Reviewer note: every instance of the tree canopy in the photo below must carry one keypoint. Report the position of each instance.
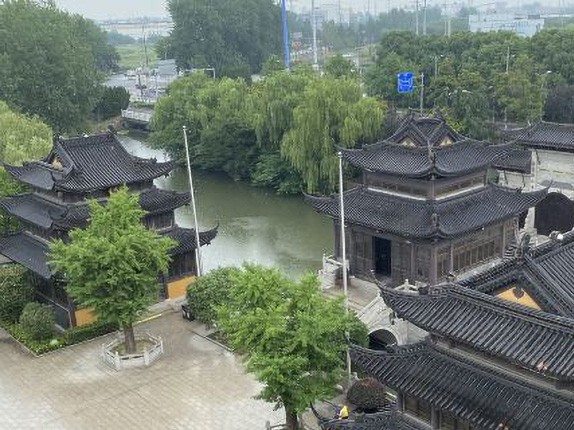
(112, 266)
(281, 132)
(51, 62)
(294, 339)
(234, 37)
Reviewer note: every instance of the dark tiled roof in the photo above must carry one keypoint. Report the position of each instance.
(545, 135)
(387, 420)
(27, 251)
(425, 131)
(483, 396)
(461, 158)
(517, 160)
(46, 214)
(186, 239)
(526, 337)
(546, 273)
(416, 218)
(89, 163)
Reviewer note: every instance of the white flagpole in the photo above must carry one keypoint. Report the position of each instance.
(192, 193)
(344, 255)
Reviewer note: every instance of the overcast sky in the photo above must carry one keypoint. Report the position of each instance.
(105, 9)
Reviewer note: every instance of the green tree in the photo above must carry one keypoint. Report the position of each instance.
(111, 103)
(113, 265)
(22, 138)
(234, 37)
(51, 63)
(294, 339)
(340, 67)
(15, 292)
(560, 105)
(332, 112)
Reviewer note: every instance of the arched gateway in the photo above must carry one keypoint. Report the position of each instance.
(380, 339)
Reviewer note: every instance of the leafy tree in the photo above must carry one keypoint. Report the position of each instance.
(272, 171)
(111, 103)
(234, 37)
(560, 105)
(22, 138)
(294, 339)
(115, 38)
(332, 112)
(209, 292)
(340, 67)
(113, 265)
(271, 65)
(15, 292)
(51, 63)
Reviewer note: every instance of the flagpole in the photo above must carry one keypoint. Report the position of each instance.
(344, 258)
(192, 193)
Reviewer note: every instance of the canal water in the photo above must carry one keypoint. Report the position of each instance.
(256, 225)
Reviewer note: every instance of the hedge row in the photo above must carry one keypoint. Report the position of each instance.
(70, 337)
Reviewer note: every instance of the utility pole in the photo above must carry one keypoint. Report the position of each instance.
(507, 72)
(344, 258)
(314, 26)
(192, 193)
(417, 16)
(422, 92)
(340, 13)
(286, 34)
(425, 18)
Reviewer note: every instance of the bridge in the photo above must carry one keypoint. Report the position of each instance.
(137, 117)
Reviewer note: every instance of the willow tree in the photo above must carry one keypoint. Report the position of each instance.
(113, 265)
(332, 112)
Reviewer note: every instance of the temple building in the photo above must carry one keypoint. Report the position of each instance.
(77, 169)
(546, 159)
(425, 209)
(491, 360)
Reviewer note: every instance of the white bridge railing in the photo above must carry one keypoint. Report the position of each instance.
(137, 115)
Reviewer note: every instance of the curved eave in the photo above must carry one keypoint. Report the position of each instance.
(186, 239)
(525, 337)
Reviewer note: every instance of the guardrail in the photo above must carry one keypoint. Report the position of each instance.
(145, 358)
(135, 115)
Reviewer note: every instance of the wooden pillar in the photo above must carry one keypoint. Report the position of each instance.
(413, 271)
(503, 240)
(435, 422)
(400, 402)
(433, 264)
(451, 259)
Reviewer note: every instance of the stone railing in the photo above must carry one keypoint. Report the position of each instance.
(143, 359)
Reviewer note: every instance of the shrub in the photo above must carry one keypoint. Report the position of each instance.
(15, 292)
(38, 321)
(209, 292)
(111, 103)
(88, 331)
(367, 394)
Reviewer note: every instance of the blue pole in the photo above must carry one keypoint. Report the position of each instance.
(286, 33)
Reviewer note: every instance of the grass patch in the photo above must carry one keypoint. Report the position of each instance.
(132, 56)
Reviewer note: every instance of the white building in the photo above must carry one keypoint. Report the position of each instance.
(522, 25)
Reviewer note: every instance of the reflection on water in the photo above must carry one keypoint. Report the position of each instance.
(255, 224)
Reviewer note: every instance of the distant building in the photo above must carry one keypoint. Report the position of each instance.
(138, 28)
(522, 25)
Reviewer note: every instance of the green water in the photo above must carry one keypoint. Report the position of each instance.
(255, 224)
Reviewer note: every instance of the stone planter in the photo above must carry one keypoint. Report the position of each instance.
(125, 361)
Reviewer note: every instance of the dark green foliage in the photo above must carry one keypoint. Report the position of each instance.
(560, 105)
(367, 395)
(233, 36)
(111, 103)
(51, 63)
(37, 321)
(293, 338)
(163, 48)
(274, 172)
(209, 292)
(70, 337)
(115, 38)
(15, 292)
(340, 67)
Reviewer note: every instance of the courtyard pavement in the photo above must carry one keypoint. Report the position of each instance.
(197, 385)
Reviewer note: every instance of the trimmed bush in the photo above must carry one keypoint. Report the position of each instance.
(38, 321)
(367, 395)
(209, 292)
(15, 292)
(88, 331)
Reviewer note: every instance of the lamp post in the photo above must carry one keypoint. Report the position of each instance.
(192, 193)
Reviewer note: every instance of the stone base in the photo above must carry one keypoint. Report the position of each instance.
(125, 361)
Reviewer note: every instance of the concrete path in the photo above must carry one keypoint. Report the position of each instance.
(196, 386)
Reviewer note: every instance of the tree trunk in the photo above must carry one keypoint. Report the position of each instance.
(291, 418)
(129, 338)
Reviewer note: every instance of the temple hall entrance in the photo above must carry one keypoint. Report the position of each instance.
(382, 258)
(380, 339)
